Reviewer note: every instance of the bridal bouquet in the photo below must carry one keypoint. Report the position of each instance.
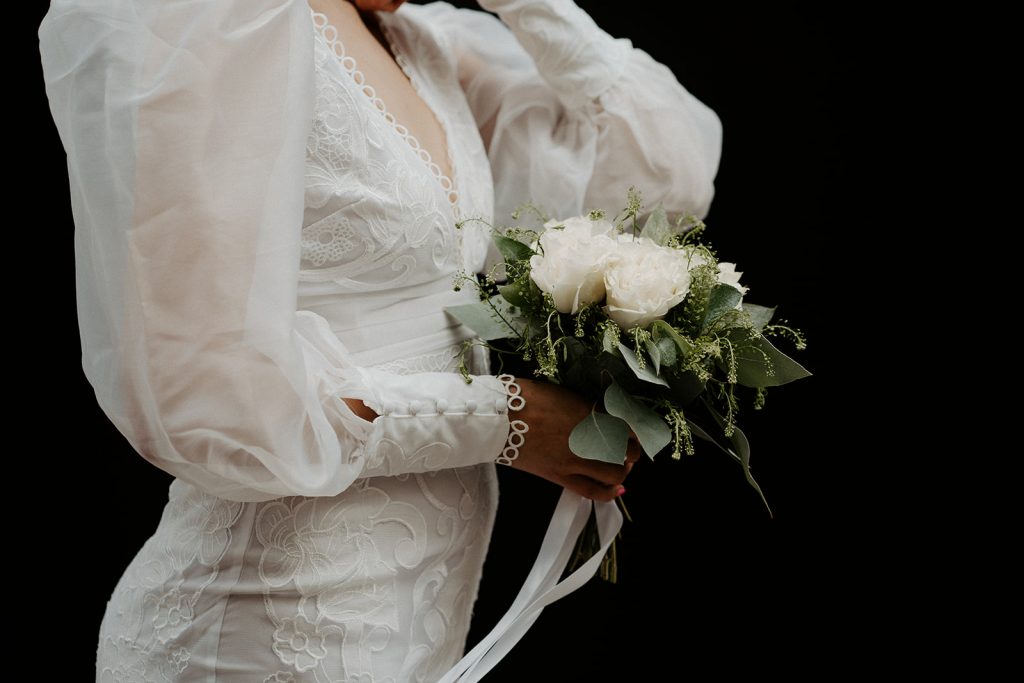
(645, 320)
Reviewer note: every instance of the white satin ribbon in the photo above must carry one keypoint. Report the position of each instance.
(542, 587)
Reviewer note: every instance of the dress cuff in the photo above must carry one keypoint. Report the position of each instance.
(434, 420)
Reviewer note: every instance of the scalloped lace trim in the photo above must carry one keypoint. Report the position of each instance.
(517, 428)
(349, 64)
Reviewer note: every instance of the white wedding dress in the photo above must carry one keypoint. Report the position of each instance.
(257, 237)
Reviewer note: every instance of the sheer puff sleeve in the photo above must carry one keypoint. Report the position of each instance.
(572, 117)
(185, 124)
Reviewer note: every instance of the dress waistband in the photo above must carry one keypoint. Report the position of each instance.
(378, 327)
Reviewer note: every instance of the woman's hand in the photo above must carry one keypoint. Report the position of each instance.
(551, 412)
(361, 409)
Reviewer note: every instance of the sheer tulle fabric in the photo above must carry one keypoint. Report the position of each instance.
(186, 151)
(578, 117)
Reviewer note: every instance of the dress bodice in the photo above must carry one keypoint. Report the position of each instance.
(380, 242)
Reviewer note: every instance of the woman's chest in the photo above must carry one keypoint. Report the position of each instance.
(380, 211)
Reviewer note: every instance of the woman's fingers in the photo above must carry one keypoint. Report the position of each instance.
(552, 412)
(633, 448)
(590, 488)
(603, 472)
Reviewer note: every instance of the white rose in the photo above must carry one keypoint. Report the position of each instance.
(644, 281)
(571, 268)
(727, 273)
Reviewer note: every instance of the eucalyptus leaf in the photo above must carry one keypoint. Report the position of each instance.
(600, 436)
(760, 315)
(649, 427)
(754, 359)
(685, 388)
(657, 228)
(643, 373)
(655, 353)
(512, 250)
(740, 451)
(610, 341)
(484, 321)
(667, 351)
(588, 372)
(722, 300)
(661, 329)
(516, 293)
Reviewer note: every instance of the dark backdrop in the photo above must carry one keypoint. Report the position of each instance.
(709, 583)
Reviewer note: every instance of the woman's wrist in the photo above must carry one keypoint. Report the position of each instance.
(361, 409)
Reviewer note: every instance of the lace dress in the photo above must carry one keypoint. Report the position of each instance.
(269, 239)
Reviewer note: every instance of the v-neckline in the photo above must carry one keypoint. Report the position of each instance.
(349, 64)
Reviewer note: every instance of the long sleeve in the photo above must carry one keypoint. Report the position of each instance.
(571, 116)
(185, 123)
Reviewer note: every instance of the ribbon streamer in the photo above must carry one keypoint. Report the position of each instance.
(542, 587)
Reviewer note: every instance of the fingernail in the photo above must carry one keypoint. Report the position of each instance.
(620, 491)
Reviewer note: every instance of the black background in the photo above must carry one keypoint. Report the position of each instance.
(709, 583)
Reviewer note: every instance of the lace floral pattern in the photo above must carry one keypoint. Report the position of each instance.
(299, 642)
(280, 677)
(178, 659)
(323, 586)
(156, 598)
(407, 232)
(331, 571)
(173, 615)
(330, 35)
(329, 241)
(445, 360)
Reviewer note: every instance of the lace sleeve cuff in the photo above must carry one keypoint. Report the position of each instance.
(517, 428)
(434, 420)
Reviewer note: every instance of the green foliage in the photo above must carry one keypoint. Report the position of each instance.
(723, 299)
(661, 330)
(512, 250)
(600, 436)
(640, 369)
(657, 228)
(519, 293)
(610, 336)
(760, 316)
(696, 362)
(489, 320)
(761, 365)
(649, 427)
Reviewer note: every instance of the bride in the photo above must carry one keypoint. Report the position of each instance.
(266, 195)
